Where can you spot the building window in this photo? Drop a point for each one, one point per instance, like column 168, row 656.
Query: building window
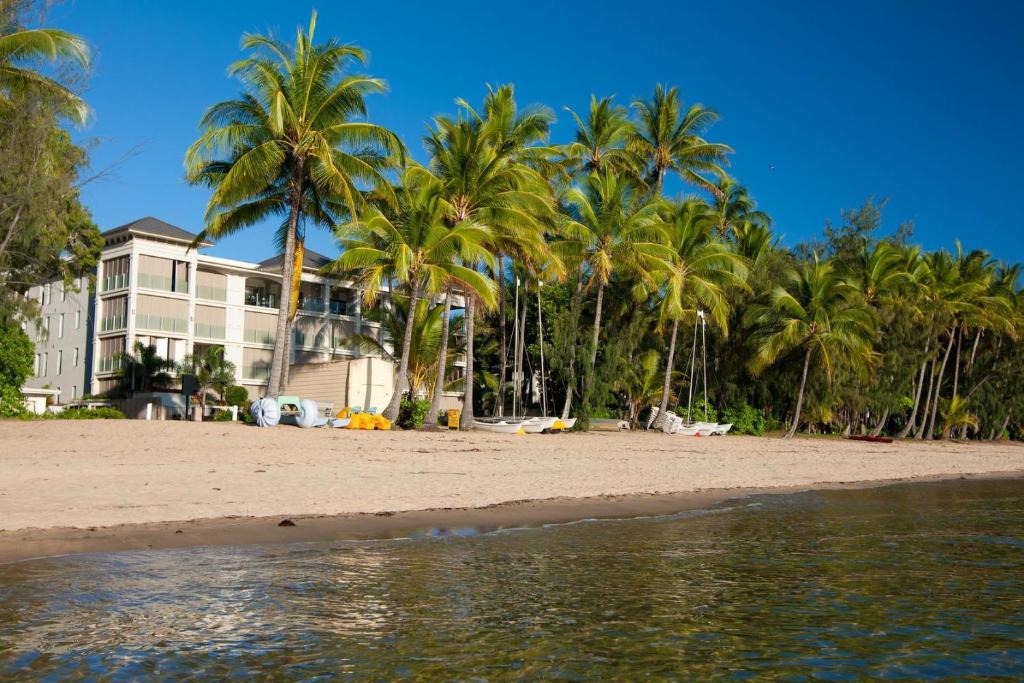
column 160, row 313
column 166, row 274
column 60, row 326
column 47, row 293
column 60, row 361
column 46, row 359
column 110, row 354
column 63, row 292
column 74, row 390
column 78, row 320
column 115, row 314
column 37, row 364
column 46, row 327
column 115, row 273
column 75, row 356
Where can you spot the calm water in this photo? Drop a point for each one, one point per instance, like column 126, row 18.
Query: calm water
column 919, row 582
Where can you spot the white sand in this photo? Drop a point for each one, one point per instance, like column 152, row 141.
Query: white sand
column 99, row 473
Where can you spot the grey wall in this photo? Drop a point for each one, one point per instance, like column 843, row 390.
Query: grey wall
column 71, row 378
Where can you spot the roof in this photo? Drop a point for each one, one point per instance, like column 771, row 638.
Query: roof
column 310, row 259
column 154, row 227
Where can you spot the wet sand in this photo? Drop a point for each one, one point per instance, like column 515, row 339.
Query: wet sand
column 112, row 485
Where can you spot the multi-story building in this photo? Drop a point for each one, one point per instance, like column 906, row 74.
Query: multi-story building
column 63, row 338
column 152, row 287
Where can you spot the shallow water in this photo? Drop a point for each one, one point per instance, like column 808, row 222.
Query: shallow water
column 910, row 582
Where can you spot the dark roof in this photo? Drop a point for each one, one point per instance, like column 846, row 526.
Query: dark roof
column 154, row 227
column 310, row 259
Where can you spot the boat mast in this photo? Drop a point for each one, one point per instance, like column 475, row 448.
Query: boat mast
column 543, row 381
column 515, row 354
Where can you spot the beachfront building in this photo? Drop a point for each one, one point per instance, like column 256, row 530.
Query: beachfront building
column 153, row 287
column 63, row 339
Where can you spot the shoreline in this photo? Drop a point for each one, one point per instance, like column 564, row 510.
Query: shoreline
column 31, row 544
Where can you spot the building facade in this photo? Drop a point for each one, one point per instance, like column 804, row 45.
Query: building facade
column 63, row 338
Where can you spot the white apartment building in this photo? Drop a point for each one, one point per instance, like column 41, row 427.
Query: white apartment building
column 153, row 288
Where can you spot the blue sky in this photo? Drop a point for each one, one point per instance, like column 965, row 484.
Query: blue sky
column 824, row 103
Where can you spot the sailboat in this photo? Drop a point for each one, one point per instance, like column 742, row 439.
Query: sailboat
column 688, row 427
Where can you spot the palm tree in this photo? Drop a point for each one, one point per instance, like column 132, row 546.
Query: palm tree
column 703, row 270
column 957, row 415
column 818, row 314
column 732, row 206
column 612, row 227
column 412, row 246
column 668, row 139
column 601, row 140
column 20, row 46
column 295, row 145
column 211, row 371
column 142, row 369
column 483, row 182
column 641, row 384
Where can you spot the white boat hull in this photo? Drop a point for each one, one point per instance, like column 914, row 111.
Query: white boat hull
column 536, row 425
column 499, row 427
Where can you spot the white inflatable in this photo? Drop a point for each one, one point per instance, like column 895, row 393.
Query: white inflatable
column 266, row 412
column 307, row 417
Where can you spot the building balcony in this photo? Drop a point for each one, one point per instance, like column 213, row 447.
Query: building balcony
column 261, row 300
column 118, row 322
column 210, row 331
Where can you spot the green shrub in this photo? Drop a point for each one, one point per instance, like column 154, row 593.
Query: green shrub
column 12, row 403
column 16, row 356
column 702, row 411
column 221, row 416
column 412, row 412
column 101, row 413
column 245, row 413
column 745, row 419
column 236, row 395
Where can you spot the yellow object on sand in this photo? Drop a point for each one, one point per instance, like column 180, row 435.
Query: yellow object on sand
column 343, row 413
column 367, row 421
column 558, row 426
column 520, row 432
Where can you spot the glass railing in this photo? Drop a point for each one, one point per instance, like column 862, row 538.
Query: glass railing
column 338, row 307
column 114, row 282
column 163, row 283
column 109, row 364
column 261, row 300
column 211, row 293
column 117, row 322
column 209, row 331
column 312, row 305
column 162, row 323
column 260, row 336
column 255, row 372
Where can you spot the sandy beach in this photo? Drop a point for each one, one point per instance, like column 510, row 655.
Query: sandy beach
column 107, row 485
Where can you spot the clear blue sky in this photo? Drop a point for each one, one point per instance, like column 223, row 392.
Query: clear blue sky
column 824, row 103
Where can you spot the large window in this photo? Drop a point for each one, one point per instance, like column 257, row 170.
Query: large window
column 168, row 275
column 160, row 313
column 115, row 314
column 260, row 328
column 115, row 273
column 111, row 354
column 210, row 322
column 256, row 363
column 211, row 286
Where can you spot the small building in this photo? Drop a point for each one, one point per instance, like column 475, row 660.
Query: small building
column 37, row 399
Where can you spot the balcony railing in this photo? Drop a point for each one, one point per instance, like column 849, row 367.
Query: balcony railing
column 312, row 305
column 163, row 283
column 210, row 331
column 111, row 282
column 109, row 364
column 161, row 322
column 211, row 293
column 260, row 299
column 260, row 336
column 261, row 371
column 339, row 307
column 117, row 322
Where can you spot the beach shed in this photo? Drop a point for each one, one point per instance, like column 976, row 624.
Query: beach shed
column 36, row 400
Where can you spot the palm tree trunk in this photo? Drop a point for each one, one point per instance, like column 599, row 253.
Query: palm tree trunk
column 974, row 351
column 442, row 364
column 286, row 357
column 588, row 383
column 938, row 388
column 402, row 383
column 800, row 397
column 956, row 369
column 917, row 395
column 881, row 423
column 668, row 371
column 499, row 405
column 466, row 421
column 919, row 434
column 284, row 305
column 571, row 386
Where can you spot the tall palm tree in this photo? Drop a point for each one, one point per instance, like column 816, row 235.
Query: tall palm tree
column 21, row 47
column 732, row 206
column 818, row 314
column 601, row 140
column 483, row 182
column 612, row 227
column 412, row 246
column 669, row 139
column 704, row 268
column 294, row 146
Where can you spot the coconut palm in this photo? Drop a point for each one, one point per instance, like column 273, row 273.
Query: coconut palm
column 641, row 383
column 412, row 246
column 612, row 227
column 21, row 47
column 817, row 313
column 732, row 206
column 142, row 368
column 601, row 140
column 211, row 371
column 483, row 182
column 294, row 146
column 957, row 415
column 703, row 270
column 667, row 139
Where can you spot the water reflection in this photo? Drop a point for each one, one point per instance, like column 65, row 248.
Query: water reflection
column 903, row 583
